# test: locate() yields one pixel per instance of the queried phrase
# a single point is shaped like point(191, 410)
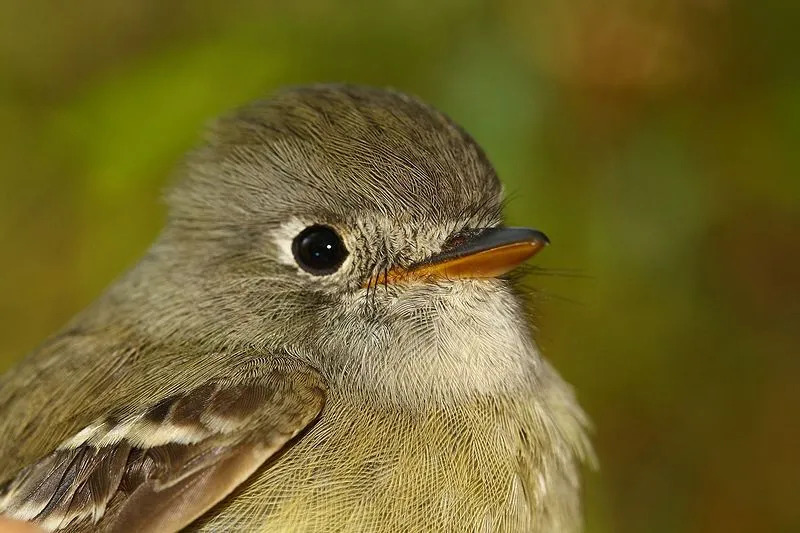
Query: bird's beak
point(487, 254)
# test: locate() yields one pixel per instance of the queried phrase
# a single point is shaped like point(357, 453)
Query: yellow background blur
point(656, 142)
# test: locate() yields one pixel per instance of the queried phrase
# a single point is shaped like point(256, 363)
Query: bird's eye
point(319, 250)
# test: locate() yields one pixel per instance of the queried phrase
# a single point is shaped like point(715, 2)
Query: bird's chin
point(448, 341)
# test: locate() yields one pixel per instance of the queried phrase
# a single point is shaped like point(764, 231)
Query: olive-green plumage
point(220, 386)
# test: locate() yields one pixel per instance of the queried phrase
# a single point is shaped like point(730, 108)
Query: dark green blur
point(655, 142)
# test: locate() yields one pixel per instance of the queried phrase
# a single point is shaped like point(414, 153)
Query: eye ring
point(319, 250)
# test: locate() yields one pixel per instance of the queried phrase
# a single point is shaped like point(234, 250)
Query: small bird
point(325, 337)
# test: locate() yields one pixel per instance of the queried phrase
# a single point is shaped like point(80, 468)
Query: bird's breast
point(360, 469)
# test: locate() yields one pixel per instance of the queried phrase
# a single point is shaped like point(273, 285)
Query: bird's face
point(360, 228)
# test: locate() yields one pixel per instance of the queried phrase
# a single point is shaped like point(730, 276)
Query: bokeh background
point(656, 142)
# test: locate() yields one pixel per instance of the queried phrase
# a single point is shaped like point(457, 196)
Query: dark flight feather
point(163, 467)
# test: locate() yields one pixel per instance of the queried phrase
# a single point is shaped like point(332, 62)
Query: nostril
point(461, 237)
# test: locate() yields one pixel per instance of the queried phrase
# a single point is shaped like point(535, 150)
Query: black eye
point(319, 250)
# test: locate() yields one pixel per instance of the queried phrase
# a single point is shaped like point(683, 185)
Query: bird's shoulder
point(101, 427)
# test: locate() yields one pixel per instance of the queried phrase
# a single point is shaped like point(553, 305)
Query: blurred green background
point(656, 142)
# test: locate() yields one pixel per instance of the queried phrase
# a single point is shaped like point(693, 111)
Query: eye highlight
point(319, 250)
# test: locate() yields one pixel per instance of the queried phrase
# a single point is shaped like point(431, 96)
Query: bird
point(329, 334)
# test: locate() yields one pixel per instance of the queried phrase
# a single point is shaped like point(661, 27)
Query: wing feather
point(161, 467)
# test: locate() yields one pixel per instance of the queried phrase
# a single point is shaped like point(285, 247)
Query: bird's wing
point(160, 468)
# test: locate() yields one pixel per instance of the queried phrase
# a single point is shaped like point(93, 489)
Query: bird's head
point(357, 225)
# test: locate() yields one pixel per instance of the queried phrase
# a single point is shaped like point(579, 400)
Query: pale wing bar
point(160, 468)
